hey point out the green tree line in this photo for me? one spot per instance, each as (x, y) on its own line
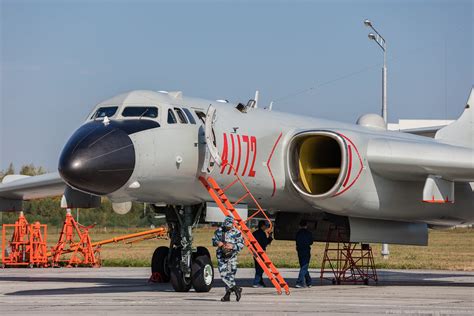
(48, 210)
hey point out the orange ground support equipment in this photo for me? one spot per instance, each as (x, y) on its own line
(86, 253)
(75, 241)
(27, 246)
(347, 262)
(228, 208)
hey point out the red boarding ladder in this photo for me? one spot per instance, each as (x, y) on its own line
(228, 208)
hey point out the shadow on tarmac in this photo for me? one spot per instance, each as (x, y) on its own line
(122, 285)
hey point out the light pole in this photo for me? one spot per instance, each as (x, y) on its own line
(383, 45)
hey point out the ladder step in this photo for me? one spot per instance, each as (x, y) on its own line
(258, 253)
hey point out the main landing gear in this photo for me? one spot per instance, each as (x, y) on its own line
(181, 264)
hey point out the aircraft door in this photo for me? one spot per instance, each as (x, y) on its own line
(212, 156)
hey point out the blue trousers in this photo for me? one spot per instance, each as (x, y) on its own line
(258, 274)
(303, 276)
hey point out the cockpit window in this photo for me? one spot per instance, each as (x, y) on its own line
(190, 116)
(182, 118)
(140, 111)
(108, 111)
(171, 117)
(201, 115)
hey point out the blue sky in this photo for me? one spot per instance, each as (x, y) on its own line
(60, 58)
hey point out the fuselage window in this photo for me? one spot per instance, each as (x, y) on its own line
(140, 111)
(201, 115)
(171, 117)
(108, 111)
(190, 116)
(182, 118)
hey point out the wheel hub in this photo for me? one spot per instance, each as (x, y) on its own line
(208, 273)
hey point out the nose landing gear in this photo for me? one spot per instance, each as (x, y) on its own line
(181, 264)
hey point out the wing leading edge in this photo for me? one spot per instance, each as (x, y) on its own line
(13, 192)
(404, 160)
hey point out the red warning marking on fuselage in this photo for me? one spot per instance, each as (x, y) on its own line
(236, 152)
(350, 167)
(268, 163)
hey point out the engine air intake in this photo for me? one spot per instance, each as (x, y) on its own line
(317, 162)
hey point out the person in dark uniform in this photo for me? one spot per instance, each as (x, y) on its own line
(304, 240)
(264, 238)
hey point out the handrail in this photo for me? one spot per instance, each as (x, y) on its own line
(248, 193)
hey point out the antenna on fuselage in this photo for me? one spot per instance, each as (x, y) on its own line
(256, 99)
(269, 108)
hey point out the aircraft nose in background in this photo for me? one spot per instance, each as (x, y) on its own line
(98, 158)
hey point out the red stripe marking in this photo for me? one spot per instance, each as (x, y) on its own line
(233, 153)
(238, 157)
(253, 146)
(268, 163)
(350, 166)
(224, 153)
(245, 139)
(360, 169)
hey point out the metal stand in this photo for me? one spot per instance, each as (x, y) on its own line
(27, 246)
(347, 262)
(81, 251)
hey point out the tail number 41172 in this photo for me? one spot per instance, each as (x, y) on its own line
(240, 151)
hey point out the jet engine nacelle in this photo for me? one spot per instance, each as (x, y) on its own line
(325, 166)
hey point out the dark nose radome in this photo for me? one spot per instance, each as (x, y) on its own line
(97, 159)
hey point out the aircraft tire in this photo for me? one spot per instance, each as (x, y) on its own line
(177, 279)
(202, 275)
(158, 263)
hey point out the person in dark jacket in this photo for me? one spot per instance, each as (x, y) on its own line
(304, 240)
(264, 238)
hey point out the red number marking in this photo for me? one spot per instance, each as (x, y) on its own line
(253, 146)
(233, 153)
(245, 139)
(240, 151)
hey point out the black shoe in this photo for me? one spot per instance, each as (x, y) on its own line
(238, 292)
(226, 297)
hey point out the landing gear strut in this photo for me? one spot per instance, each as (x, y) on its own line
(181, 264)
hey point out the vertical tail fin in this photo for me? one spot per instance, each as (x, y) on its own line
(461, 131)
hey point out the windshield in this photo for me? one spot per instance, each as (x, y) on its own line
(141, 111)
(108, 111)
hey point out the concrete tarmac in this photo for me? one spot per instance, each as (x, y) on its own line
(117, 291)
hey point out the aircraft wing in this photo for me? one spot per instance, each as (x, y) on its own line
(404, 160)
(15, 189)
